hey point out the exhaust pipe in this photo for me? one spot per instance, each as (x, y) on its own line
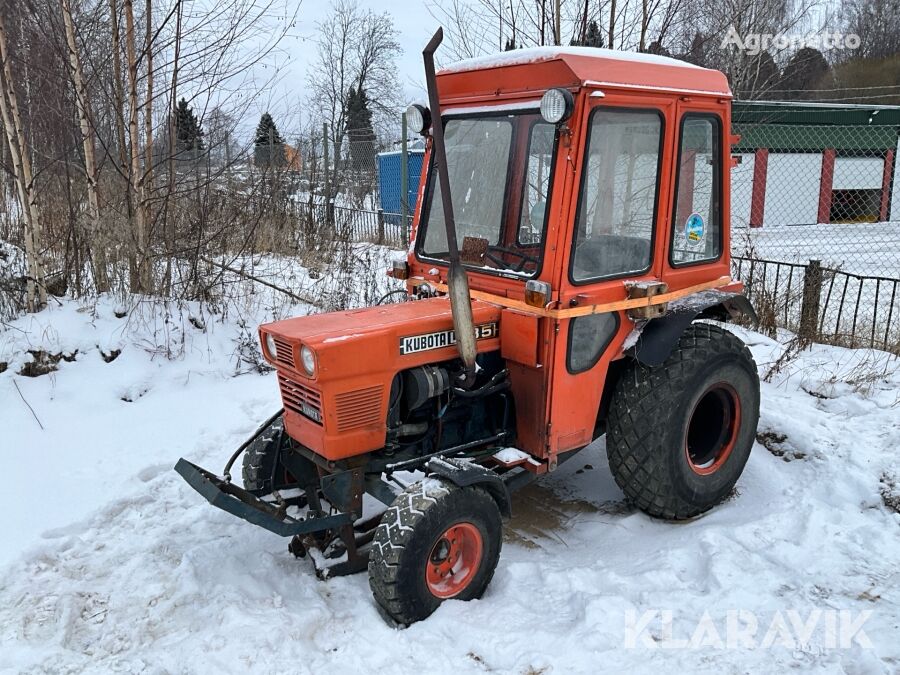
(457, 281)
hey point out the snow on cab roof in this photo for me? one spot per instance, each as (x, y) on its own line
(608, 67)
(536, 54)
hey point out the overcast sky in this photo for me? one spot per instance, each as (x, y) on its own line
(289, 89)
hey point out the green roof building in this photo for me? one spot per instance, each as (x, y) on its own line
(807, 163)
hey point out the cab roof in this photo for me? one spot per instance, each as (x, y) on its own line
(543, 67)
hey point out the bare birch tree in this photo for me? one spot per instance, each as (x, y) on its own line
(82, 104)
(20, 152)
(140, 281)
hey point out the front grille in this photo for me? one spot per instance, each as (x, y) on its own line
(284, 352)
(300, 398)
(360, 408)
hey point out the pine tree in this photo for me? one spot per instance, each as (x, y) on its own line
(360, 134)
(697, 52)
(268, 143)
(592, 37)
(188, 130)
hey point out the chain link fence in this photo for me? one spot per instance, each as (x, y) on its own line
(353, 184)
(815, 212)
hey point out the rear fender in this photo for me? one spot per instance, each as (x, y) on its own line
(462, 474)
(659, 336)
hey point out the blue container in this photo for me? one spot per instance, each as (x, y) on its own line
(389, 182)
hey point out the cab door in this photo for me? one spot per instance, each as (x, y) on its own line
(698, 243)
(618, 212)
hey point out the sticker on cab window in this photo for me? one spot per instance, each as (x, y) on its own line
(694, 230)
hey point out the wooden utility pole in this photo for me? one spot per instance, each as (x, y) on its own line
(612, 24)
(557, 27)
(645, 20)
(36, 293)
(98, 243)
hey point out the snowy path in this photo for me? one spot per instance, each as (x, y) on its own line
(113, 564)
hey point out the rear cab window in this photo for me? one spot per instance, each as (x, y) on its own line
(697, 210)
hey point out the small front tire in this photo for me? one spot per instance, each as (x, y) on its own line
(435, 542)
(262, 470)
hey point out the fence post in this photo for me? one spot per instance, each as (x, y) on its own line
(380, 226)
(404, 172)
(809, 310)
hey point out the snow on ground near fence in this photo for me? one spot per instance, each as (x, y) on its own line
(871, 249)
(110, 562)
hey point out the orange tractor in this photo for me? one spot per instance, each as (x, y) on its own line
(567, 278)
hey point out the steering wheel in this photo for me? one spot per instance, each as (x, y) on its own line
(524, 258)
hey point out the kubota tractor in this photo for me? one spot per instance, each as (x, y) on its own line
(568, 277)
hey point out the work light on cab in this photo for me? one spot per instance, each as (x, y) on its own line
(308, 359)
(557, 105)
(418, 118)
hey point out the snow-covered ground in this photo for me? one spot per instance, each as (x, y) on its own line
(109, 562)
(871, 249)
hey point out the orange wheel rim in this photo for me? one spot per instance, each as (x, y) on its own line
(713, 429)
(454, 560)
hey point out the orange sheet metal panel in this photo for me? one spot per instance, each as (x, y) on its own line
(529, 389)
(519, 337)
(576, 397)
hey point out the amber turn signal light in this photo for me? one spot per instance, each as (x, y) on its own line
(537, 293)
(400, 270)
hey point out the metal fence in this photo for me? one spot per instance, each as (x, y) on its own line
(356, 224)
(823, 304)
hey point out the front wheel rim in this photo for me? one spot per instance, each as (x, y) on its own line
(454, 560)
(712, 429)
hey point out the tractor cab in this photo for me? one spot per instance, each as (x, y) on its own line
(580, 178)
(568, 276)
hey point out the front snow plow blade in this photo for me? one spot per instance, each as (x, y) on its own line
(243, 504)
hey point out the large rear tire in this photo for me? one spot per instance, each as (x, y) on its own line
(435, 542)
(680, 434)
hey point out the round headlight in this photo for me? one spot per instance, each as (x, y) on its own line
(308, 359)
(270, 346)
(418, 118)
(557, 105)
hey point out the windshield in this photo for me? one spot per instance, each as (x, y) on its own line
(500, 170)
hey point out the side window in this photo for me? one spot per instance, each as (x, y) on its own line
(589, 337)
(697, 217)
(536, 183)
(617, 207)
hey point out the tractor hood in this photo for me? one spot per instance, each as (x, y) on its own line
(339, 409)
(383, 339)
